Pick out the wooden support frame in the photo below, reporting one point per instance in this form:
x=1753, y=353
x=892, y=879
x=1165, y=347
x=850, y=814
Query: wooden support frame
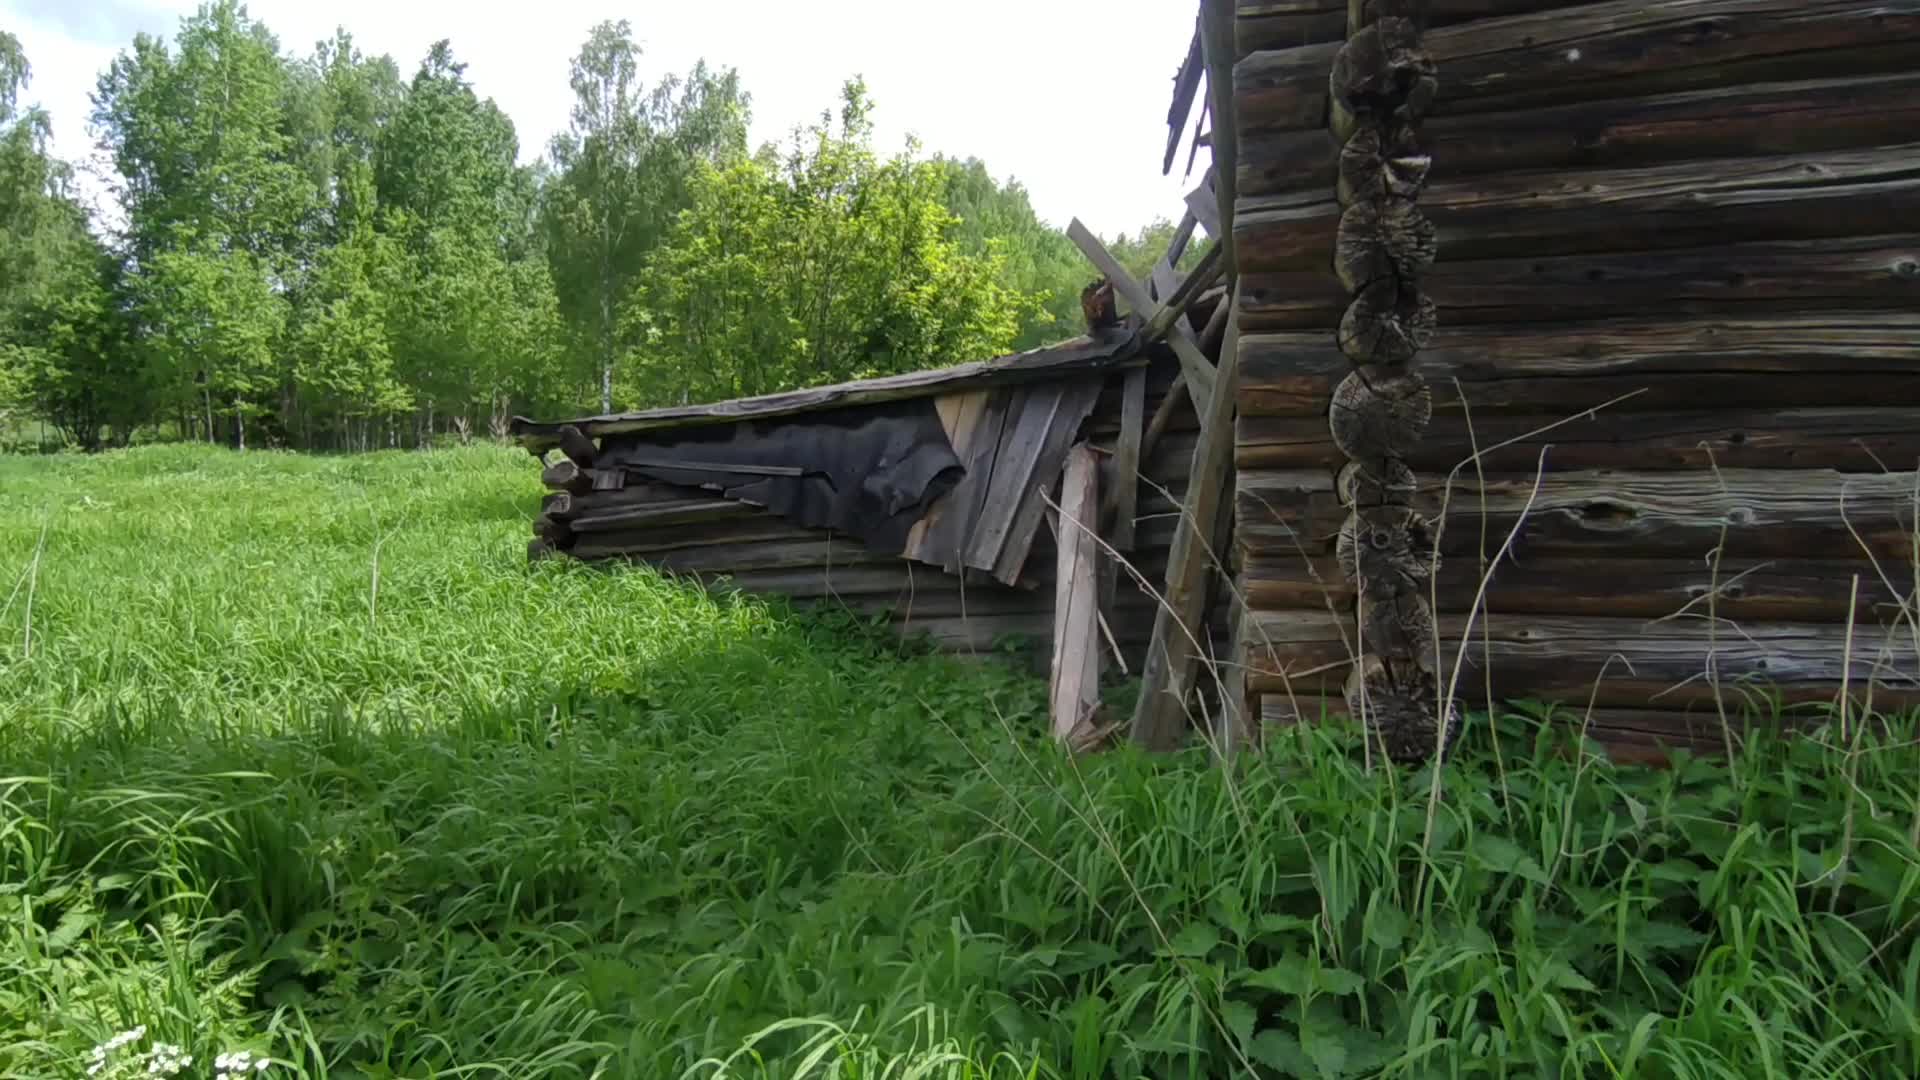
x=1193, y=363
x=1159, y=718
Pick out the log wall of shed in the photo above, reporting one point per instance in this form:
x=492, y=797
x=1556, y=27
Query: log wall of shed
x=1684, y=236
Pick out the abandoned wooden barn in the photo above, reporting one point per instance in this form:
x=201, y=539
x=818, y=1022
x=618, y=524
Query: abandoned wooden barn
x=1664, y=256
x=1610, y=306
x=934, y=497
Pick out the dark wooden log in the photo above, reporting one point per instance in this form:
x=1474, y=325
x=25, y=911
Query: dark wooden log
x=553, y=530
x=1845, y=440
x=1387, y=323
x=1287, y=30
x=1744, y=589
x=1384, y=239
x=579, y=449
x=1615, y=662
x=1861, y=358
x=1802, y=197
x=567, y=476
x=1284, y=90
x=1378, y=414
x=666, y=516
x=1743, y=121
x=1762, y=513
x=754, y=549
x=1626, y=48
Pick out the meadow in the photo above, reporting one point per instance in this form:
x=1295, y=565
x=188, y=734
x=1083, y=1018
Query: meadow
x=300, y=757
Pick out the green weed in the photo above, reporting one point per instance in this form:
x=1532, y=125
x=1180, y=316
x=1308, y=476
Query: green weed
x=298, y=755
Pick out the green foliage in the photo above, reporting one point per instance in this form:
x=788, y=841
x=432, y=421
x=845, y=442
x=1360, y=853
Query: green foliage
x=822, y=265
x=335, y=775
x=318, y=252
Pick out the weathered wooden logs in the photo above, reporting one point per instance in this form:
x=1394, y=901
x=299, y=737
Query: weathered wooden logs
x=1387, y=323
x=1379, y=413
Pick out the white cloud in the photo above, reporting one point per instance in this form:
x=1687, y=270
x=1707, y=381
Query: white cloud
x=1071, y=99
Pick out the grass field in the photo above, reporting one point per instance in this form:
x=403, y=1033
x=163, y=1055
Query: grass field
x=300, y=756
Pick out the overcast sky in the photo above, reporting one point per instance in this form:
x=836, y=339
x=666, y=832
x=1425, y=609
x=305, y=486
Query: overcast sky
x=1069, y=98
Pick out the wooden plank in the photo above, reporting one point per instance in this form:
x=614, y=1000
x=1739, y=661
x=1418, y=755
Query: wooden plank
x=1075, y=687
x=1847, y=440
x=1076, y=402
x=1203, y=201
x=1193, y=363
x=1791, y=589
x=956, y=513
x=1844, y=109
x=1029, y=418
x=1080, y=355
x=1688, y=204
x=1616, y=49
x=1864, y=273
x=1176, y=296
x=1862, y=358
x=1763, y=513
x=1620, y=662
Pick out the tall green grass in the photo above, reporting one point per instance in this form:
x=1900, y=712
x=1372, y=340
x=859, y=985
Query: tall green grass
x=299, y=755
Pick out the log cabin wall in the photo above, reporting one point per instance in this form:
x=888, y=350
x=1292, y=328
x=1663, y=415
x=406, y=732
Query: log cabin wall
x=1687, y=232
x=728, y=544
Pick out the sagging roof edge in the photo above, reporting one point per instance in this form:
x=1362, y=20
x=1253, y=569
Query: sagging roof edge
x=1114, y=350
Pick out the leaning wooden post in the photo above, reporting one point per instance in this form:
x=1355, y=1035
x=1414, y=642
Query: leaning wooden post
x=1075, y=687
x=1381, y=85
x=1179, y=627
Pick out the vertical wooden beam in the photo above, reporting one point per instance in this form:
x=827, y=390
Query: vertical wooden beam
x=1075, y=688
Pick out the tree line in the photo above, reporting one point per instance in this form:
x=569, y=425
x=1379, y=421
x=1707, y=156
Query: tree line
x=314, y=251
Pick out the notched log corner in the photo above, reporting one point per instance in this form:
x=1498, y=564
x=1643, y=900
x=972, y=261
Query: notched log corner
x=1383, y=72
x=1382, y=163
x=1379, y=414
x=1366, y=485
x=1399, y=704
x=1396, y=621
x=1388, y=323
x=1382, y=239
x=1386, y=544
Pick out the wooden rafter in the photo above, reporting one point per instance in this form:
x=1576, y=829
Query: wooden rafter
x=1194, y=364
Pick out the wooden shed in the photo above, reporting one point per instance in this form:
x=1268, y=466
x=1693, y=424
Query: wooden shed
x=1658, y=263
x=976, y=504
